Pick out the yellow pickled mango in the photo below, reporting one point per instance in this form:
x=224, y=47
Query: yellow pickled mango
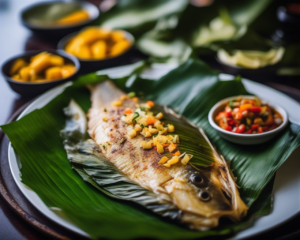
x=89, y=35
x=56, y=60
x=33, y=75
x=41, y=62
x=75, y=46
x=40, y=80
x=104, y=33
x=17, y=65
x=99, y=49
x=25, y=74
x=75, y=17
x=117, y=36
x=37, y=56
x=72, y=46
x=16, y=77
x=83, y=52
x=119, y=47
x=67, y=70
x=53, y=73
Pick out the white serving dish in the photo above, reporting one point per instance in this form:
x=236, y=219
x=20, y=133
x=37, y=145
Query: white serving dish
x=246, y=139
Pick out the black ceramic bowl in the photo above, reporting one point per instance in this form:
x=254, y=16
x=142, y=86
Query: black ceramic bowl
x=33, y=16
x=31, y=89
x=257, y=73
x=91, y=65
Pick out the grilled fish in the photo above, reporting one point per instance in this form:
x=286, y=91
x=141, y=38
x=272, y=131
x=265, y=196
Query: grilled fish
x=202, y=194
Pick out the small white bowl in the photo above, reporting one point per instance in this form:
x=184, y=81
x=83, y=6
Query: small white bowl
x=245, y=139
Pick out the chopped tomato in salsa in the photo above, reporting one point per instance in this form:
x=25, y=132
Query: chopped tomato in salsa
x=248, y=116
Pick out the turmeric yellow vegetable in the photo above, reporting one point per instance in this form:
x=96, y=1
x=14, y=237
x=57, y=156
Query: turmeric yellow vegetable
x=41, y=62
x=104, y=33
x=101, y=43
x=37, y=56
x=117, y=36
x=72, y=46
x=99, y=49
x=67, y=70
x=56, y=60
x=159, y=147
x=53, y=73
x=16, y=77
x=33, y=75
x=17, y=65
x=78, y=16
x=43, y=66
x=119, y=47
x=89, y=35
x=25, y=74
x=83, y=52
x=172, y=161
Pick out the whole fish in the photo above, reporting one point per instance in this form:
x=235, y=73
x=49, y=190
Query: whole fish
x=202, y=194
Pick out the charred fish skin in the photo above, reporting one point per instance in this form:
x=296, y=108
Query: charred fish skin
x=203, y=195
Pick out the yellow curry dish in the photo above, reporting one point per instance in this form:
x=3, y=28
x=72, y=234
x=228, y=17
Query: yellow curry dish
x=41, y=67
x=95, y=43
x=74, y=18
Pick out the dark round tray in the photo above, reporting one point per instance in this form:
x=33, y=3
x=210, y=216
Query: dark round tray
x=17, y=201
x=25, y=210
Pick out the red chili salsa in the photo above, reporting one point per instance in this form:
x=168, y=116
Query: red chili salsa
x=248, y=116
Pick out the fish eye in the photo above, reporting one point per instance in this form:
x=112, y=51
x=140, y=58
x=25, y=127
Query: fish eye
x=204, y=196
x=198, y=180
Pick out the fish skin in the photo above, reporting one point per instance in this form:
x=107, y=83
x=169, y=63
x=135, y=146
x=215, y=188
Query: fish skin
x=141, y=166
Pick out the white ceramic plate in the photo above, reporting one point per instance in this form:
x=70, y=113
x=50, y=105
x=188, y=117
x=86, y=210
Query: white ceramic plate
x=287, y=182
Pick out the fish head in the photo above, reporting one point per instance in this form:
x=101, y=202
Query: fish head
x=206, y=194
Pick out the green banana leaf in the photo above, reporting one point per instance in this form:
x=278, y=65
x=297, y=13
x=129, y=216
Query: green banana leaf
x=172, y=31
x=192, y=89
x=138, y=16
x=88, y=161
x=166, y=29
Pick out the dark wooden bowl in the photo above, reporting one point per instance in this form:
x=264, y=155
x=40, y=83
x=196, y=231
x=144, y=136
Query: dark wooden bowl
x=91, y=65
x=31, y=89
x=247, y=72
x=57, y=31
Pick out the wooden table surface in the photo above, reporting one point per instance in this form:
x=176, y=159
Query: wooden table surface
x=15, y=39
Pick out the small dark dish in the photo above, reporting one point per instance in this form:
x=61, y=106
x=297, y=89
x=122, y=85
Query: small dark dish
x=91, y=65
x=248, y=72
x=39, y=10
x=31, y=89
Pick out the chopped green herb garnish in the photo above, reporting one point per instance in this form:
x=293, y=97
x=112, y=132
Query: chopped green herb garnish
x=135, y=116
x=125, y=115
x=131, y=94
x=104, y=146
x=105, y=110
x=231, y=103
